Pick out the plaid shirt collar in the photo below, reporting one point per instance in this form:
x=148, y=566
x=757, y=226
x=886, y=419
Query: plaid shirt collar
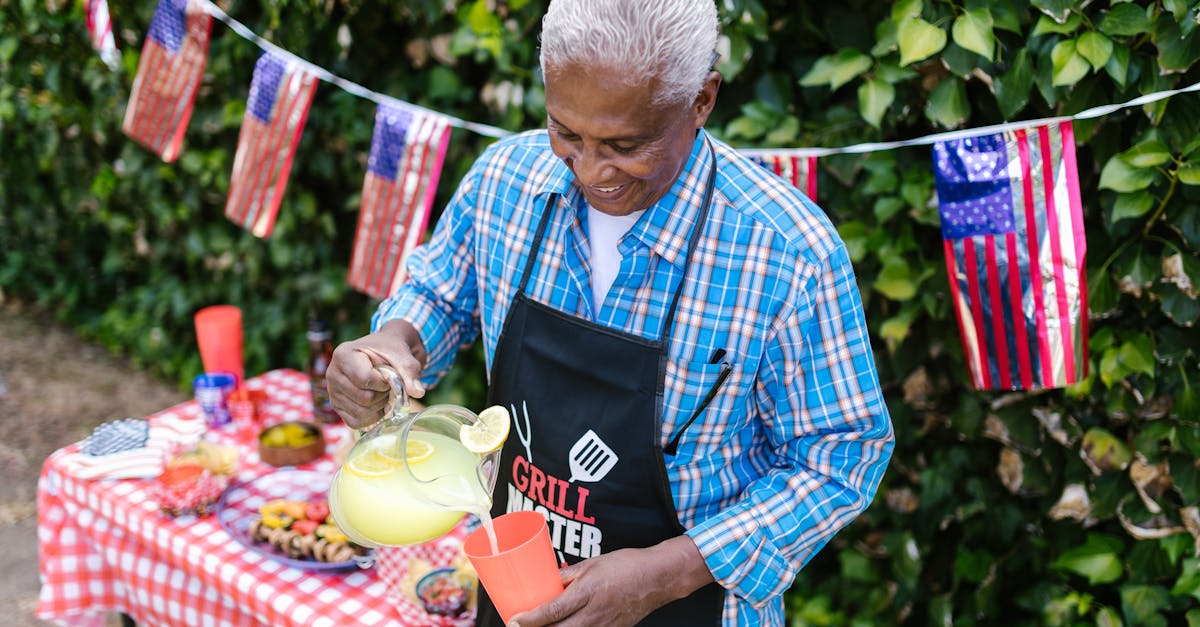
x=667, y=225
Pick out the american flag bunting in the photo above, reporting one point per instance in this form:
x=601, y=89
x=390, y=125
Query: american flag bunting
x=407, y=151
x=1013, y=237
x=280, y=94
x=172, y=63
x=801, y=172
x=100, y=29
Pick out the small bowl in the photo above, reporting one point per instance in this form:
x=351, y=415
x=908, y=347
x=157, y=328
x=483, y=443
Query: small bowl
x=279, y=450
x=442, y=593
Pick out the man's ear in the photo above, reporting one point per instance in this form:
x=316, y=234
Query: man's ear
x=703, y=105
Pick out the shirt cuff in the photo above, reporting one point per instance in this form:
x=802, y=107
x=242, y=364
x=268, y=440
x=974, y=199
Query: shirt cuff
x=432, y=325
x=747, y=564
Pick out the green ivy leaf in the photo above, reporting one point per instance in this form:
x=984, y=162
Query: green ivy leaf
x=1118, y=65
x=481, y=20
x=896, y=280
x=886, y=207
x=1094, y=47
x=1189, y=583
x=785, y=133
x=854, y=235
x=1098, y=559
x=1118, y=175
x=918, y=40
x=1046, y=26
x=1126, y=20
x=838, y=69
x=1179, y=307
x=1187, y=405
x=1105, y=451
x=1189, y=173
x=1178, y=8
x=745, y=126
x=874, y=98
x=1147, y=154
x=1137, y=355
x=1056, y=9
x=1111, y=368
x=1069, y=65
x=1142, y=604
x=1176, y=51
x=1014, y=86
x=821, y=73
x=1131, y=205
x=907, y=8
x=947, y=104
x=896, y=328
x=973, y=31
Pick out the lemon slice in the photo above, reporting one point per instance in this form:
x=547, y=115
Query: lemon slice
x=488, y=433
x=415, y=451
x=371, y=463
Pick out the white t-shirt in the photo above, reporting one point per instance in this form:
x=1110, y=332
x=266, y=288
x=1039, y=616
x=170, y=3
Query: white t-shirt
x=604, y=231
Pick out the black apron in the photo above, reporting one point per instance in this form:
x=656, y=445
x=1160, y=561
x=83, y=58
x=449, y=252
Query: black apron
x=584, y=450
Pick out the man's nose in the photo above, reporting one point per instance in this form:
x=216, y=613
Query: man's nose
x=589, y=165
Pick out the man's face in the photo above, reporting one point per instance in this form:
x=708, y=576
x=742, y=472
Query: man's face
x=625, y=153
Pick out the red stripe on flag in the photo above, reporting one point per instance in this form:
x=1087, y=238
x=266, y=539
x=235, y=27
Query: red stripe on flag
x=1035, y=273
x=976, y=312
x=1067, y=129
x=795, y=163
x=998, y=331
x=1018, y=315
x=812, y=178
x=952, y=271
x=1060, y=287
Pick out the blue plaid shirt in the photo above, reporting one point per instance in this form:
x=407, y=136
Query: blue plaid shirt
x=793, y=447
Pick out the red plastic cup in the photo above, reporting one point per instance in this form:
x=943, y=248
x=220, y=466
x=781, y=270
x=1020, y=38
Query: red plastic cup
x=219, y=335
x=524, y=574
x=243, y=409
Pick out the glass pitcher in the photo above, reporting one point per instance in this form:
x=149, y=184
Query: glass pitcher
x=408, y=479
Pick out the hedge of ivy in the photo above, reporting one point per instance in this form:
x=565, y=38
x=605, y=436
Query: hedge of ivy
x=1070, y=506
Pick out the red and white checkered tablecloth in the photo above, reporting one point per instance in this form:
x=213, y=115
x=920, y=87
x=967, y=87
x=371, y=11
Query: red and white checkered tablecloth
x=105, y=546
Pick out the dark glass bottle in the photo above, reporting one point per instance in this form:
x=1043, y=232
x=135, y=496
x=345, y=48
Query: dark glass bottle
x=320, y=352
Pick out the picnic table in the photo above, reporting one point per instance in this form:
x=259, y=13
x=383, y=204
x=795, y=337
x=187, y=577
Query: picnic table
x=105, y=546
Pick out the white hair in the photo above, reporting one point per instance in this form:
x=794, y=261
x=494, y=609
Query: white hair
x=672, y=41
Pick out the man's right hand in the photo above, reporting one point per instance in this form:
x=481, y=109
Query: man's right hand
x=357, y=392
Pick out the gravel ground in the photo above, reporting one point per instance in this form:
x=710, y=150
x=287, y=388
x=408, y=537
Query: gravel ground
x=54, y=388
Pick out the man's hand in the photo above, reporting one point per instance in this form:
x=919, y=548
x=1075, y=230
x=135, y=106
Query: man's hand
x=357, y=392
x=622, y=587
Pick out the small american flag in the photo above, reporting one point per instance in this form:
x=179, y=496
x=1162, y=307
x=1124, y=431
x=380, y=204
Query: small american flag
x=1013, y=234
x=172, y=63
x=280, y=94
x=99, y=26
x=407, y=151
x=801, y=172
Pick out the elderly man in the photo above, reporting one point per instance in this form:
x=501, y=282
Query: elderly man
x=646, y=292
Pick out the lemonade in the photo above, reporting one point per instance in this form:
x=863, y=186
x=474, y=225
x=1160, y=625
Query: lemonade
x=377, y=502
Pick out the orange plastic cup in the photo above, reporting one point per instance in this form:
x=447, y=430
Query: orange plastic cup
x=219, y=335
x=524, y=574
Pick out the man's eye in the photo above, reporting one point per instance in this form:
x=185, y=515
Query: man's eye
x=623, y=148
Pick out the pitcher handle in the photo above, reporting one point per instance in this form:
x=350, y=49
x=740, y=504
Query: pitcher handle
x=399, y=404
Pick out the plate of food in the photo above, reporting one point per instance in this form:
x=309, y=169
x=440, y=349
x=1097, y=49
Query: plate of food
x=284, y=515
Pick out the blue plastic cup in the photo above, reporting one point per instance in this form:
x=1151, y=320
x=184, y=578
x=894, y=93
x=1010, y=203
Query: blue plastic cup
x=212, y=389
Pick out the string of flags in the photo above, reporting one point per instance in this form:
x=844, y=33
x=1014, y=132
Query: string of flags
x=1008, y=194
